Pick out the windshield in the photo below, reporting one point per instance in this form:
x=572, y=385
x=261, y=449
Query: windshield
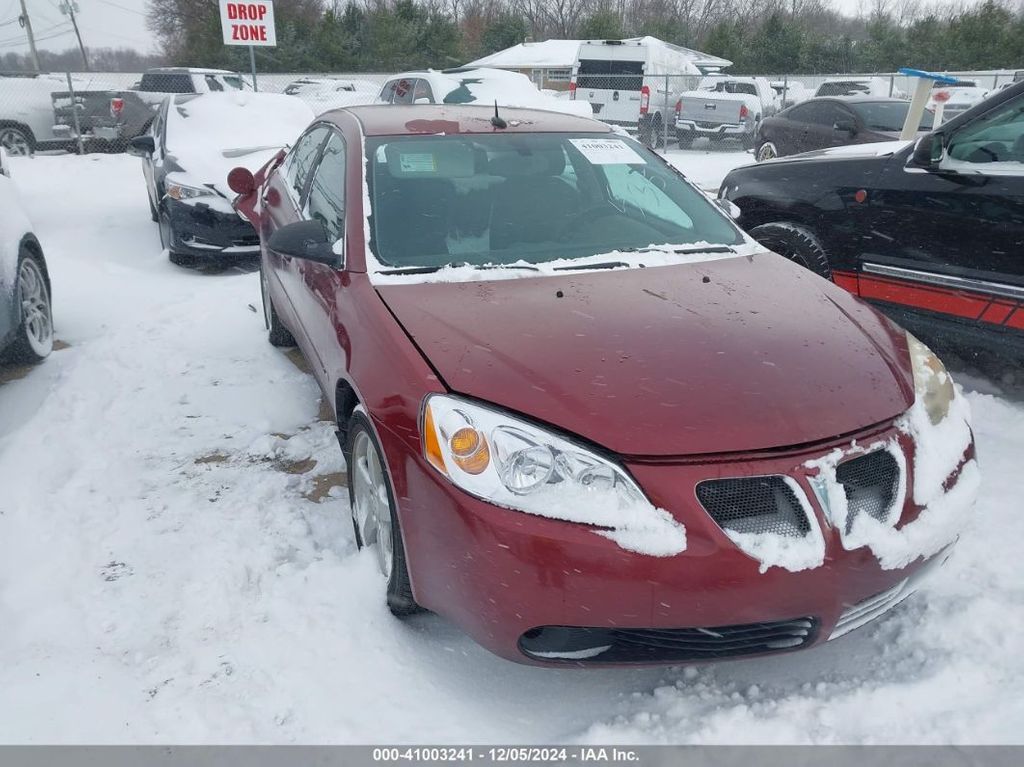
x=888, y=115
x=508, y=198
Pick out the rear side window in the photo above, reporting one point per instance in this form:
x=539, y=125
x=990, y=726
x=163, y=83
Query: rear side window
x=610, y=75
x=301, y=159
x=326, y=201
x=167, y=82
x=398, y=91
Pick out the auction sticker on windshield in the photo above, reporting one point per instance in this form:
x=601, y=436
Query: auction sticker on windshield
x=608, y=151
x=417, y=163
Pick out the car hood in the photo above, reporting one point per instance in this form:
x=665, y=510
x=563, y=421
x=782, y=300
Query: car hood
x=738, y=354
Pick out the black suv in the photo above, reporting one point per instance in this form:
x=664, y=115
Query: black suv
x=932, y=231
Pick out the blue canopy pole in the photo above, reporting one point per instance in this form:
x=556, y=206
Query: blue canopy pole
x=925, y=80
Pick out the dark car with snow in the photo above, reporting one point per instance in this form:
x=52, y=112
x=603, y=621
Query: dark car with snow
x=932, y=232
x=820, y=123
x=186, y=154
x=582, y=447
x=26, y=319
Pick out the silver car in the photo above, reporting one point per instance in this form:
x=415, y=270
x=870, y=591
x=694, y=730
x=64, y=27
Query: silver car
x=26, y=319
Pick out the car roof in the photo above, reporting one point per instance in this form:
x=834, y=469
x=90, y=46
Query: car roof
x=417, y=119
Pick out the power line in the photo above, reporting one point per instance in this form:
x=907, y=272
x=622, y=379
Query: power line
x=123, y=8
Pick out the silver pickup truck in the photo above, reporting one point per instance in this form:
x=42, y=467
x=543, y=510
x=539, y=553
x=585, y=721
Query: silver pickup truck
x=109, y=119
x=724, y=108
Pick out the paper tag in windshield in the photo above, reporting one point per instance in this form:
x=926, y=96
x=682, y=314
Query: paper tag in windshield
x=417, y=163
x=607, y=151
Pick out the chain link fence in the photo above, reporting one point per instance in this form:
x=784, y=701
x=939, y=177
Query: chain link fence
x=74, y=111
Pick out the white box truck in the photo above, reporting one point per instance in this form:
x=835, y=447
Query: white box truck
x=625, y=83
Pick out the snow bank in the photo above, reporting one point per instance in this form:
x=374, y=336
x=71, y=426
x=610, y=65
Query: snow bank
x=211, y=134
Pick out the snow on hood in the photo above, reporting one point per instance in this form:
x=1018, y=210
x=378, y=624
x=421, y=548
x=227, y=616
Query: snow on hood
x=14, y=225
x=852, y=151
x=209, y=135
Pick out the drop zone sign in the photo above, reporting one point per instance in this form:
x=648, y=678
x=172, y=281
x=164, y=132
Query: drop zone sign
x=248, y=22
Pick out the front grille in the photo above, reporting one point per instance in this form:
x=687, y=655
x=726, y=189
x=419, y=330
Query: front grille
x=754, y=505
x=571, y=644
x=863, y=612
x=871, y=482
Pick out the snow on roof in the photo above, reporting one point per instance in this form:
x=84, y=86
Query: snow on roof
x=549, y=54
x=562, y=54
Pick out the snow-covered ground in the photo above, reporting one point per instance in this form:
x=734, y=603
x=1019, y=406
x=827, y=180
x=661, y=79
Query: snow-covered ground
x=175, y=567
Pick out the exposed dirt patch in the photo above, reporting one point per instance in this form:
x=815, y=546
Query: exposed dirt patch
x=10, y=373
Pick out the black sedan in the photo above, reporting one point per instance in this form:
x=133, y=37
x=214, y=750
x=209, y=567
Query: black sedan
x=932, y=231
x=820, y=123
x=194, y=141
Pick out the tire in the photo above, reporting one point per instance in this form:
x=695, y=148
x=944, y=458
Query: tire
x=34, y=339
x=367, y=489
x=685, y=140
x=797, y=243
x=17, y=140
x=277, y=333
x=750, y=139
x=767, y=151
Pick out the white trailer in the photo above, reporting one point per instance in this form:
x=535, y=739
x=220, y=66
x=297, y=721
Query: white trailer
x=625, y=82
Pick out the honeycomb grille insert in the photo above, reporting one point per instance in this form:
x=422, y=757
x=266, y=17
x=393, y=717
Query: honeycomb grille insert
x=871, y=483
x=757, y=505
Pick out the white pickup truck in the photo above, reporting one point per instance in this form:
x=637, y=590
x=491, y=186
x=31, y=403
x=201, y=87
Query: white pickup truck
x=724, y=108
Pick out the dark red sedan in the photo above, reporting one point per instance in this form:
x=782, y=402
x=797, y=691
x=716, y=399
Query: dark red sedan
x=585, y=417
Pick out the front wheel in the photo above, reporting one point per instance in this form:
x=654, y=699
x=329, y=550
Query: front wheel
x=34, y=340
x=767, y=151
x=16, y=141
x=685, y=140
x=373, y=512
x=795, y=242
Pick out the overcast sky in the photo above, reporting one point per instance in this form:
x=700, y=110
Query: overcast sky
x=120, y=23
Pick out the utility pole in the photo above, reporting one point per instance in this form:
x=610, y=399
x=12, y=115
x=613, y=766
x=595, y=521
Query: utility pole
x=26, y=23
x=69, y=8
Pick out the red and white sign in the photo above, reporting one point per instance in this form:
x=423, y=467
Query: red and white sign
x=248, y=22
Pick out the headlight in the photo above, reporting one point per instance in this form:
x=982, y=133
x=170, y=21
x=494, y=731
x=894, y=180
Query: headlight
x=510, y=462
x=184, y=192
x=933, y=386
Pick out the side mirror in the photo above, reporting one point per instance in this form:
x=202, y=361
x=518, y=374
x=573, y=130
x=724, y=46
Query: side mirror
x=241, y=181
x=304, y=239
x=731, y=209
x=845, y=126
x=142, y=146
x=927, y=151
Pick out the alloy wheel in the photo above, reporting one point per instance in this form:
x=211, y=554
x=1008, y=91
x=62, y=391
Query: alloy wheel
x=15, y=142
x=371, y=508
x=767, y=152
x=35, y=308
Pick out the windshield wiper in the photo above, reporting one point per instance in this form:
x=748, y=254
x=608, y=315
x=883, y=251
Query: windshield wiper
x=439, y=267
x=602, y=265
x=707, y=249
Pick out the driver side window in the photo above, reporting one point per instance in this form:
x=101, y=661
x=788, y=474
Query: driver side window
x=996, y=137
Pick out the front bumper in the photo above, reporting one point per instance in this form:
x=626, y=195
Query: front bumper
x=200, y=231
x=699, y=128
x=512, y=580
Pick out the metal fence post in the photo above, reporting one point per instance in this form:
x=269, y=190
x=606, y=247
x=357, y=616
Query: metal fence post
x=785, y=89
x=667, y=113
x=74, y=114
x=892, y=84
